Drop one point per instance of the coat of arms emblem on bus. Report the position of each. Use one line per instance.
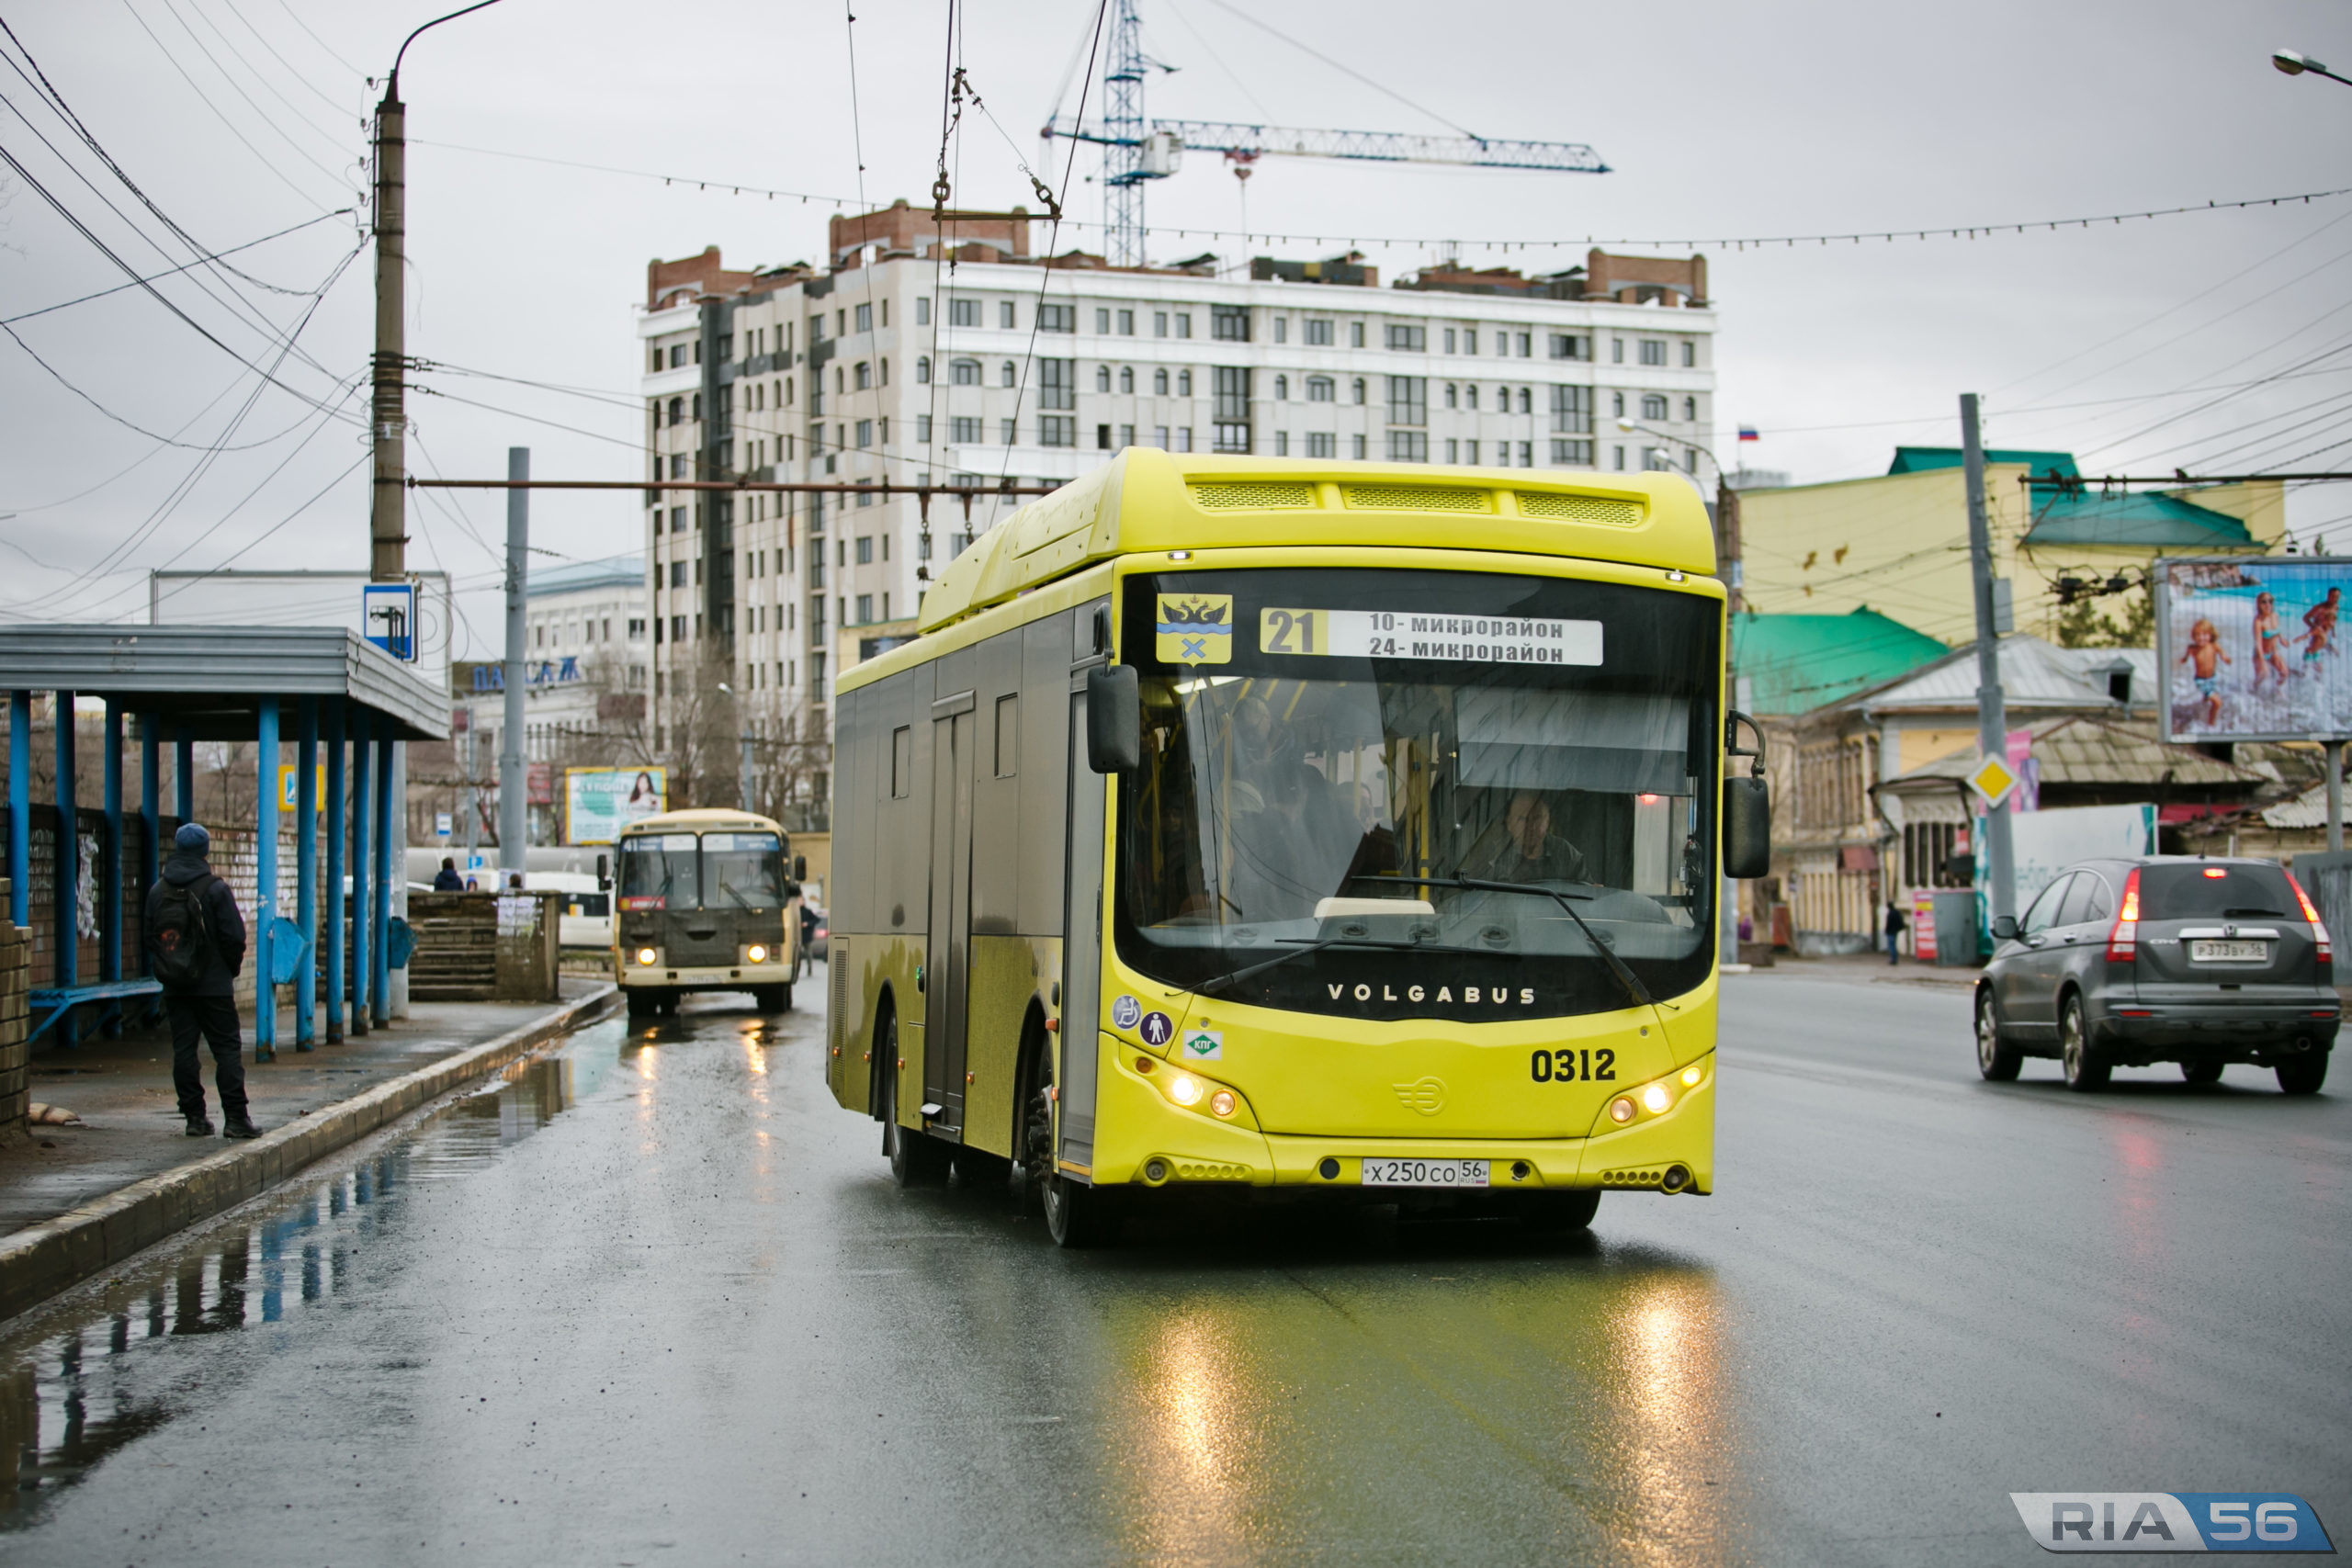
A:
(1195, 629)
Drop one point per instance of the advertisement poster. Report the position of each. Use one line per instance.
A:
(2253, 649)
(599, 802)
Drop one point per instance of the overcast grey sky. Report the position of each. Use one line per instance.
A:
(240, 117)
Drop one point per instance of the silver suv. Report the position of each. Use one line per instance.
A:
(2126, 962)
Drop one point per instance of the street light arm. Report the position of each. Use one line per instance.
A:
(392, 84)
(1629, 426)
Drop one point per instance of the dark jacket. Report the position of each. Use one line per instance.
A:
(227, 927)
(446, 880)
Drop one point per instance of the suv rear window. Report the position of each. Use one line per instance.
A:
(2189, 892)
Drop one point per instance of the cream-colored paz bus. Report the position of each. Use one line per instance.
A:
(702, 902)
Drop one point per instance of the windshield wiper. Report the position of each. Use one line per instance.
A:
(1617, 966)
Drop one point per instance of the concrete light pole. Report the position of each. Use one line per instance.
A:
(1992, 714)
(514, 792)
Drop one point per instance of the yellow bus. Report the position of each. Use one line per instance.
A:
(704, 903)
(1281, 828)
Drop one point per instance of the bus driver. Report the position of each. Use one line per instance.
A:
(1530, 851)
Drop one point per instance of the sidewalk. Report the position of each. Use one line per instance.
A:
(1872, 968)
(75, 1198)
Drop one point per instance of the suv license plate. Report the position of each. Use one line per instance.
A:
(1424, 1173)
(2228, 951)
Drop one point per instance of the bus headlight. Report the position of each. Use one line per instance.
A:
(1185, 1089)
(1222, 1103)
(755, 953)
(1656, 1099)
(1692, 1075)
(1621, 1109)
(648, 956)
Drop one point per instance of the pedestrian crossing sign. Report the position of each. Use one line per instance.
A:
(1993, 781)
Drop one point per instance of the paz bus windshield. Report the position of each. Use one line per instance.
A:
(699, 871)
(1330, 754)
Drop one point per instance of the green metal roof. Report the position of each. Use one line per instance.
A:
(1919, 459)
(1790, 663)
(2146, 519)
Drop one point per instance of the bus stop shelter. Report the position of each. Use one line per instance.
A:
(342, 703)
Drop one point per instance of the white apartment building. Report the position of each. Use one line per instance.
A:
(896, 364)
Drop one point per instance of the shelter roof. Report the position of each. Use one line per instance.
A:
(211, 679)
(1790, 663)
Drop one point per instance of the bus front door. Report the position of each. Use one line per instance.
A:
(1081, 949)
(946, 962)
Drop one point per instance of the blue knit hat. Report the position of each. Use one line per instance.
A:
(192, 837)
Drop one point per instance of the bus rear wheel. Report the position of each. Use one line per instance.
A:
(1550, 1213)
(917, 1159)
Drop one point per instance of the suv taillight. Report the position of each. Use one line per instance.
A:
(2123, 938)
(2311, 913)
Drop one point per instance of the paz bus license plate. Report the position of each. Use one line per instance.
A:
(1424, 1173)
(2228, 951)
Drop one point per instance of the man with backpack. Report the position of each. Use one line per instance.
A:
(196, 946)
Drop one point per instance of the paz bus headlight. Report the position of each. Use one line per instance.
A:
(648, 957)
(755, 953)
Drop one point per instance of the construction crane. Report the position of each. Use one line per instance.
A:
(1137, 150)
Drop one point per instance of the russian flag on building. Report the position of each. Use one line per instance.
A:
(1747, 433)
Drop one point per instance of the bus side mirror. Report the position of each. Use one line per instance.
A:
(603, 875)
(1113, 719)
(1747, 829)
(800, 868)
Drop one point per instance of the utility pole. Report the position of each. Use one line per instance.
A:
(387, 510)
(1991, 717)
(514, 792)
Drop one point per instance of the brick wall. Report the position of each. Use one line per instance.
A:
(15, 980)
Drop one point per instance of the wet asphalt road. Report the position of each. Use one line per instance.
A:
(654, 1299)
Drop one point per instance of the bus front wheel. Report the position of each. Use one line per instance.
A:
(772, 998)
(1077, 1215)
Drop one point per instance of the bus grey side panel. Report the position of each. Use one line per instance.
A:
(1081, 946)
(904, 900)
(999, 775)
(849, 900)
(1044, 762)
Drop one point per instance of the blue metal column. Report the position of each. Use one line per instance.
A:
(21, 806)
(306, 871)
(184, 775)
(336, 903)
(69, 862)
(265, 887)
(379, 975)
(360, 773)
(151, 812)
(110, 867)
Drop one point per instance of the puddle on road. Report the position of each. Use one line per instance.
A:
(72, 1396)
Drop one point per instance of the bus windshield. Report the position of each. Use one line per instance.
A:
(1326, 768)
(715, 871)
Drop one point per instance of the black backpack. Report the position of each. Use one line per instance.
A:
(181, 942)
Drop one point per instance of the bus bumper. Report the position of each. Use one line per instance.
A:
(730, 977)
(1145, 1140)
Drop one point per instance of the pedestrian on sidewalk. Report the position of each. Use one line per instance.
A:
(1897, 923)
(196, 947)
(447, 879)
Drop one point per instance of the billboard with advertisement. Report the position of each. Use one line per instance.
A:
(2253, 649)
(599, 802)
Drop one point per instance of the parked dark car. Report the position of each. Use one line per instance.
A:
(2128, 963)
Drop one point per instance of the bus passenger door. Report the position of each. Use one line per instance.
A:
(1081, 946)
(946, 960)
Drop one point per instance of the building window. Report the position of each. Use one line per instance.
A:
(1282, 329)
(1004, 432)
(1160, 324)
(677, 574)
(1653, 351)
(1184, 323)
(863, 497)
(1574, 454)
(1183, 438)
(1056, 430)
(865, 372)
(677, 520)
(1056, 318)
(1690, 410)
(1566, 346)
(1282, 442)
(1009, 374)
(1449, 340)
(1102, 439)
(1527, 454)
(1126, 323)
(1616, 351)
(1653, 405)
(865, 318)
(1322, 444)
(1617, 459)
(1355, 334)
(1102, 320)
(1356, 447)
(1616, 405)
(1357, 387)
(1318, 333)
(1319, 389)
(1649, 460)
(922, 430)
(1057, 384)
(677, 411)
(677, 628)
(1101, 377)
(922, 371)
(1232, 397)
(1183, 383)
(866, 549)
(1526, 345)
(1572, 411)
(922, 309)
(1159, 437)
(1232, 437)
(865, 608)
(1004, 316)
(864, 433)
(962, 313)
(1449, 395)
(1690, 354)
(1159, 383)
(964, 372)
(1230, 323)
(1526, 400)
(1126, 378)
(1407, 340)
(1126, 436)
(1470, 453)
(1409, 403)
(1281, 389)
(964, 432)
(1470, 340)
(1408, 446)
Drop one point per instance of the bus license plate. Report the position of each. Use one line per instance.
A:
(2228, 951)
(1424, 1173)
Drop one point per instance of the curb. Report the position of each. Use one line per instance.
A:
(41, 1260)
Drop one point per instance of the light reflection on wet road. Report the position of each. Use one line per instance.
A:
(653, 1297)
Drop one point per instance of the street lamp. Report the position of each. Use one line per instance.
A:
(2294, 62)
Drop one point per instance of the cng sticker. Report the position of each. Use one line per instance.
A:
(1205, 1046)
(1126, 1012)
(1195, 629)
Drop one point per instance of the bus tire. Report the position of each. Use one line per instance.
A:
(1550, 1213)
(917, 1159)
(1080, 1216)
(772, 998)
(643, 1003)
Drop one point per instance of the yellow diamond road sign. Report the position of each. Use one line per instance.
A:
(1993, 780)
